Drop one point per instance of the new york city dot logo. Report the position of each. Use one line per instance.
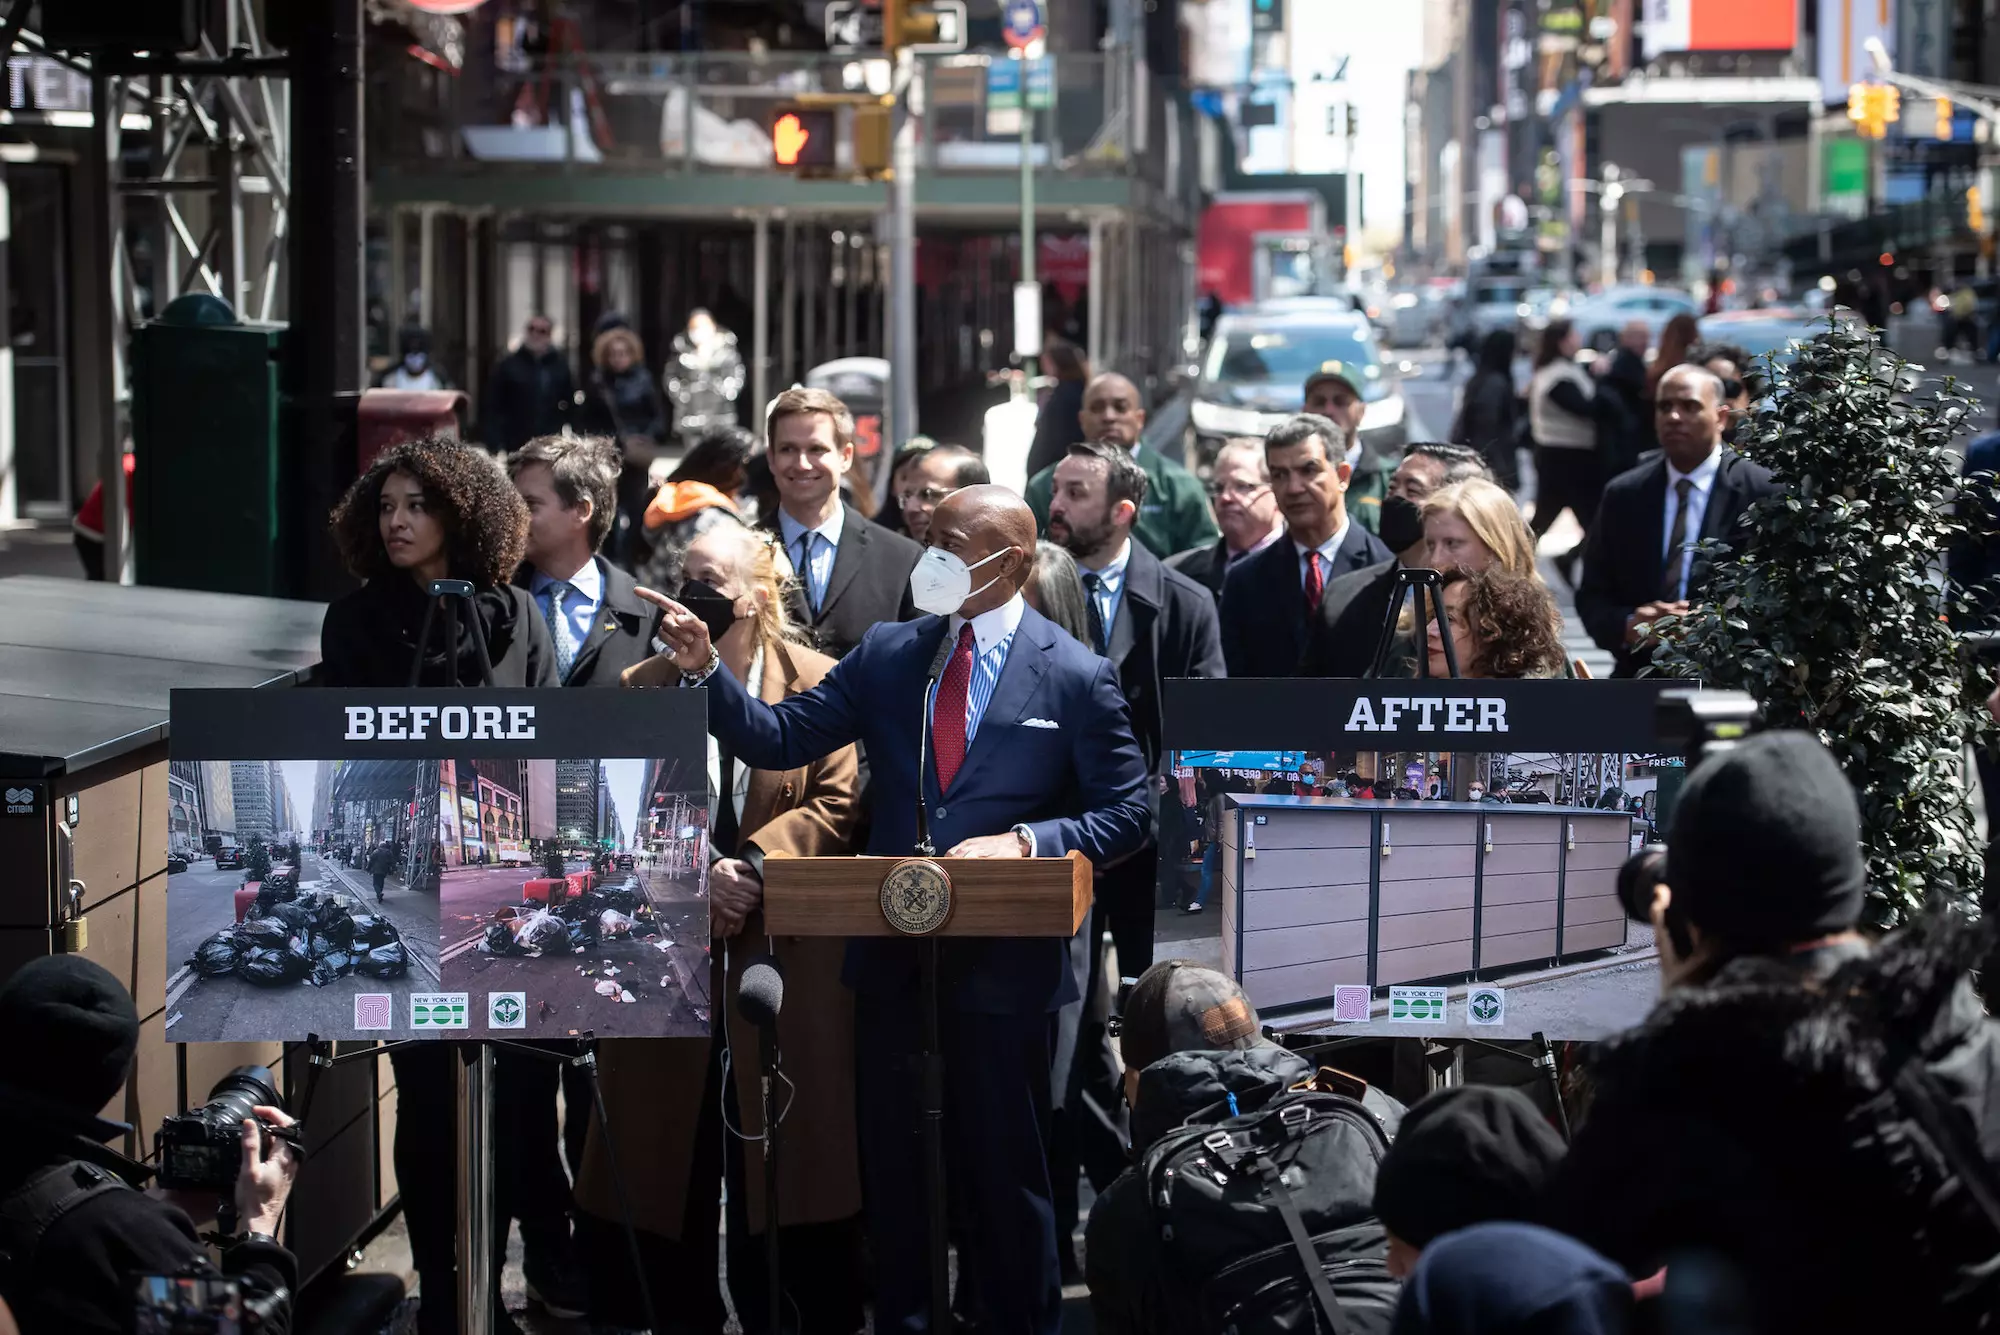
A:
(506, 1010)
(1417, 1005)
(437, 1010)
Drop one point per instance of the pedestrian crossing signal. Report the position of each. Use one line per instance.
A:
(803, 137)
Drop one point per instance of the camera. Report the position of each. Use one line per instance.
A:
(1696, 723)
(202, 1148)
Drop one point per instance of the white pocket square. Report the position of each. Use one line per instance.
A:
(1039, 723)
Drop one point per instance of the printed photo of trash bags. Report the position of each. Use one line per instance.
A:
(298, 899)
(574, 896)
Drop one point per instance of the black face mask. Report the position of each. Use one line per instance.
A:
(716, 610)
(1401, 525)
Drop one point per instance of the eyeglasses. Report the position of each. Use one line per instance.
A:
(1242, 491)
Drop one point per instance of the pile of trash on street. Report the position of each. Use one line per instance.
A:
(572, 927)
(312, 938)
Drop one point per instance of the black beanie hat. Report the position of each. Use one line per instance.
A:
(1765, 843)
(1471, 1154)
(71, 1030)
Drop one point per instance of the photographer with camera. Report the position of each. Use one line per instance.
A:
(76, 1231)
(1815, 1113)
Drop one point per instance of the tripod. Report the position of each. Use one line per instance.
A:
(1413, 583)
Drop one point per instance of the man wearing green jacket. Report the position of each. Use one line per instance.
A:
(1334, 392)
(1175, 515)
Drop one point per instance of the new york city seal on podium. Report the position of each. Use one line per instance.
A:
(916, 896)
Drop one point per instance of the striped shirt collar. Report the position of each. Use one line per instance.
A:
(994, 627)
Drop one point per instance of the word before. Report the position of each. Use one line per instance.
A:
(1386, 714)
(455, 723)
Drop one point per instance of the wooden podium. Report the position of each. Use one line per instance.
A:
(927, 899)
(988, 896)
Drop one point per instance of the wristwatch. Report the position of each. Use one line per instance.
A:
(261, 1237)
(1027, 838)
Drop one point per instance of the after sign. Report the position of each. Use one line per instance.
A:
(1023, 23)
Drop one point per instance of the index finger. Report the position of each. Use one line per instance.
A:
(660, 600)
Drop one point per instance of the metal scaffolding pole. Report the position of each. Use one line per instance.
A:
(902, 396)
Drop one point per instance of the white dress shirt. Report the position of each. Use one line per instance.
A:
(1326, 552)
(817, 567)
(580, 604)
(753, 682)
(1703, 478)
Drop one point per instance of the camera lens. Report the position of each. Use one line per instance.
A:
(242, 1090)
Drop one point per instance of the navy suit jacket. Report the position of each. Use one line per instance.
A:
(1264, 602)
(1080, 785)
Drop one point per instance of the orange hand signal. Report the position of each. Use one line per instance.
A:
(788, 139)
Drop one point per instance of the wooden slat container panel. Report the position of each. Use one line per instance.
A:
(1520, 888)
(1425, 919)
(1303, 911)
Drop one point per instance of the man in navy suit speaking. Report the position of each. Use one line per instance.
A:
(1030, 754)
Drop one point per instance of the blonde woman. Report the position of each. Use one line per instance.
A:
(682, 1108)
(1474, 525)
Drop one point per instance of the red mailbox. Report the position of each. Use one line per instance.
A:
(388, 417)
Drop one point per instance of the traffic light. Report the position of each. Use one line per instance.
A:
(804, 138)
(1944, 118)
(906, 23)
(1975, 210)
(1873, 107)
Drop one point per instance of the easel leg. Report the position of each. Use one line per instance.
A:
(475, 1190)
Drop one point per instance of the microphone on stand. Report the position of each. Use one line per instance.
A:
(759, 997)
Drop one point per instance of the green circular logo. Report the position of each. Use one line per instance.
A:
(1485, 1007)
(506, 1010)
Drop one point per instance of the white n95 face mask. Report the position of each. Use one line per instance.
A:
(941, 582)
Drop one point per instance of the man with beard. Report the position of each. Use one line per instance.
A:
(1174, 515)
(1342, 639)
(1239, 487)
(1152, 623)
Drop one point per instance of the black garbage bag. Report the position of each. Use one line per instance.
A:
(372, 929)
(500, 941)
(390, 961)
(294, 917)
(323, 973)
(336, 927)
(618, 897)
(340, 961)
(582, 935)
(217, 956)
(265, 933)
(580, 908)
(266, 967)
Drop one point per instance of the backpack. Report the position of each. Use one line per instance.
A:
(1268, 1216)
(29, 1211)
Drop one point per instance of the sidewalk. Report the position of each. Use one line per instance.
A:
(41, 550)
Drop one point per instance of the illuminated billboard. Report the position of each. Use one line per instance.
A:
(1720, 25)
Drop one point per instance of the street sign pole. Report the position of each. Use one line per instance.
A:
(901, 400)
(1025, 32)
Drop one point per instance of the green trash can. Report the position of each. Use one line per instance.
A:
(206, 468)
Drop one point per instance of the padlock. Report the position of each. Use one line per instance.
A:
(75, 927)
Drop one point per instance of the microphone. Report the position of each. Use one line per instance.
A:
(761, 994)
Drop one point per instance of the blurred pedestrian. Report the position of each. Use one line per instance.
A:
(623, 405)
(414, 368)
(1741, 385)
(380, 863)
(1059, 424)
(942, 470)
(1490, 415)
(1677, 339)
(1245, 508)
(87, 528)
(530, 392)
(704, 377)
(1514, 1279)
(1056, 590)
(1567, 414)
(1623, 376)
(1175, 516)
(699, 495)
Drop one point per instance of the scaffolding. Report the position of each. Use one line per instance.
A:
(423, 864)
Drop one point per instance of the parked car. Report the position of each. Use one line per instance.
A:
(624, 862)
(1499, 302)
(1413, 318)
(1253, 375)
(176, 863)
(1601, 317)
(229, 857)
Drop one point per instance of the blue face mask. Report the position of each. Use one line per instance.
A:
(414, 362)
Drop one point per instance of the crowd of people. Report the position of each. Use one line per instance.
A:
(769, 575)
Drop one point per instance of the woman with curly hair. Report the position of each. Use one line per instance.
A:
(1503, 627)
(440, 509)
(433, 509)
